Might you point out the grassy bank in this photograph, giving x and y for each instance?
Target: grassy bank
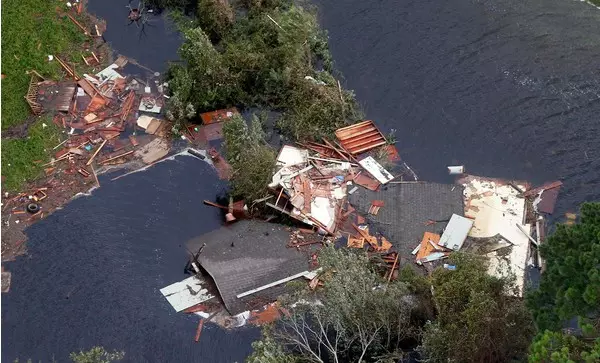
(32, 30)
(22, 159)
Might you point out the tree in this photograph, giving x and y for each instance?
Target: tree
(215, 17)
(97, 355)
(270, 58)
(205, 80)
(478, 319)
(251, 159)
(357, 315)
(558, 347)
(570, 286)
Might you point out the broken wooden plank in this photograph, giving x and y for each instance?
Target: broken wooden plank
(96, 152)
(199, 330)
(116, 157)
(78, 24)
(133, 140)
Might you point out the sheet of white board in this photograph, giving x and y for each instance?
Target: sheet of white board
(187, 293)
(375, 169)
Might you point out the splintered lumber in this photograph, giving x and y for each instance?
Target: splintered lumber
(116, 157)
(127, 105)
(95, 176)
(215, 204)
(336, 149)
(68, 69)
(199, 330)
(133, 140)
(78, 24)
(96, 152)
(393, 267)
(88, 87)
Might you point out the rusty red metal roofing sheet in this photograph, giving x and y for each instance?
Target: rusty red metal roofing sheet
(218, 115)
(360, 137)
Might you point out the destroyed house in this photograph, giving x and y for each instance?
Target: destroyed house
(409, 210)
(249, 258)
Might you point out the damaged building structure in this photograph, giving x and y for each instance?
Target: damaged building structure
(356, 192)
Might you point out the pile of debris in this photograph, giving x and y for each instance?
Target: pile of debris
(312, 183)
(503, 221)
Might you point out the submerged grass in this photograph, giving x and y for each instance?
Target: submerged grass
(22, 159)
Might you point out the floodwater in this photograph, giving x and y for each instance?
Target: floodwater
(153, 42)
(94, 269)
(508, 88)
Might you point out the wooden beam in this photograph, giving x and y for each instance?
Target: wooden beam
(96, 153)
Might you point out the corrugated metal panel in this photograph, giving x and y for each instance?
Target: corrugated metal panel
(360, 137)
(456, 232)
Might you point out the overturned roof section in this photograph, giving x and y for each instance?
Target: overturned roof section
(247, 255)
(407, 209)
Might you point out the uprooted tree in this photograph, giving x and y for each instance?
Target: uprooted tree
(274, 57)
(251, 159)
(478, 318)
(356, 316)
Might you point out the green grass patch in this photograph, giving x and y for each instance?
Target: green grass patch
(31, 30)
(22, 159)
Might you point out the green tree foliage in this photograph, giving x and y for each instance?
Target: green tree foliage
(97, 355)
(570, 286)
(357, 315)
(216, 16)
(270, 58)
(558, 347)
(205, 80)
(477, 320)
(250, 157)
(268, 350)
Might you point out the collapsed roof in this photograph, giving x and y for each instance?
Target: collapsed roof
(408, 210)
(247, 255)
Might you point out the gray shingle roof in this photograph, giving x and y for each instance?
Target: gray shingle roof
(259, 256)
(402, 220)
